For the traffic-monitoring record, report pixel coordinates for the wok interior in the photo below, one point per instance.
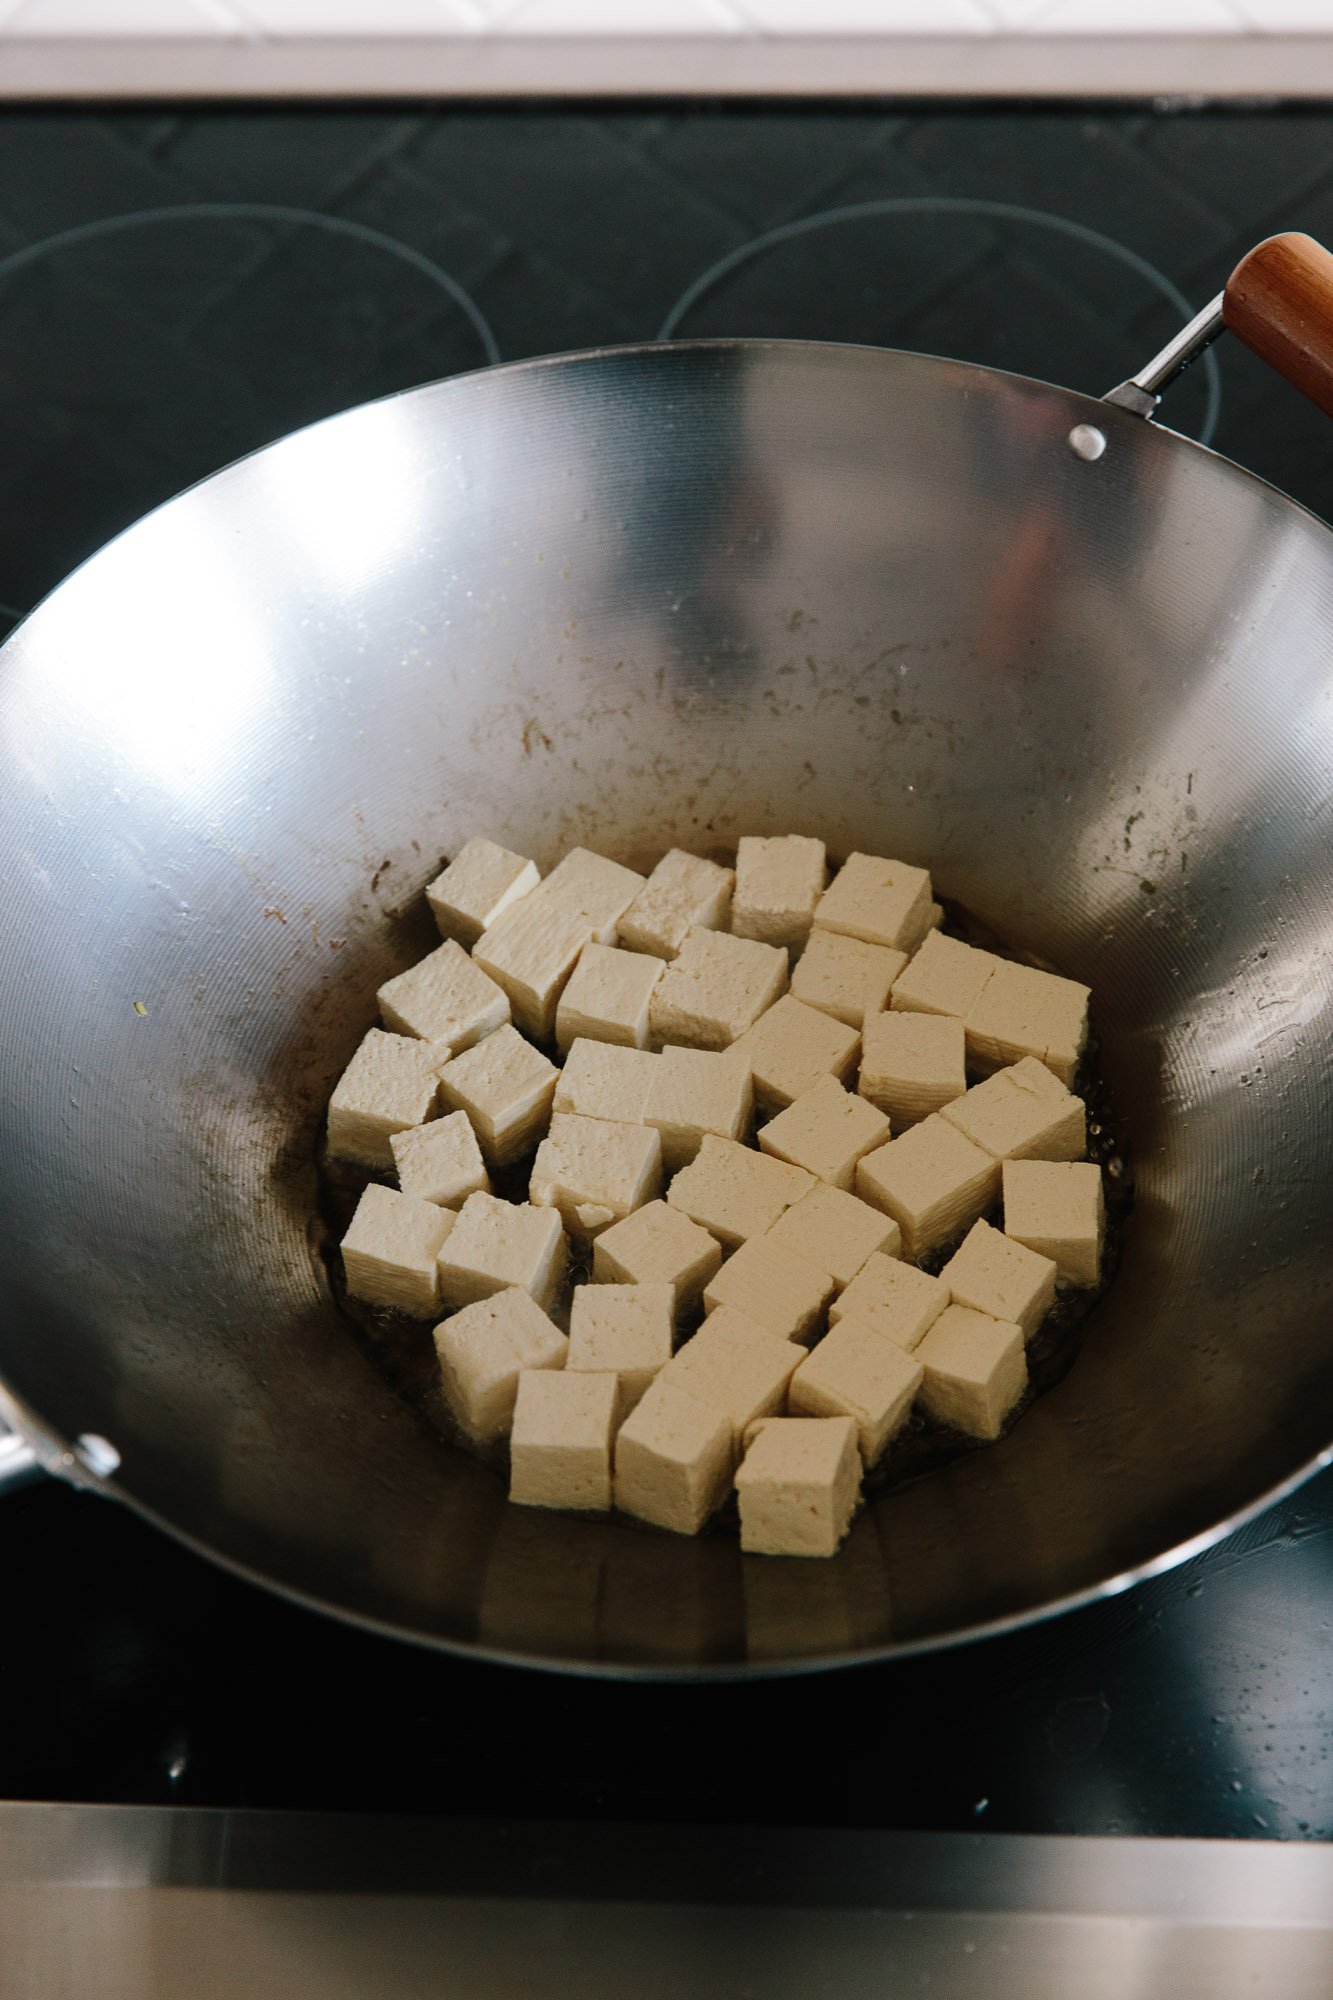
(634, 600)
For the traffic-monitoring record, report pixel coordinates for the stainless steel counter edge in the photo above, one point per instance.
(149, 1904)
(1184, 68)
(1203, 1882)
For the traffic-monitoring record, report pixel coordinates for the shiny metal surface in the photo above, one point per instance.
(142, 1904)
(18, 1462)
(1143, 392)
(632, 598)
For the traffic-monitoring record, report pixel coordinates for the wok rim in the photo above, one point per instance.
(1110, 413)
(56, 1456)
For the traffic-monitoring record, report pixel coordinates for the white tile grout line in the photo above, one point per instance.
(244, 23)
(731, 17)
(225, 15)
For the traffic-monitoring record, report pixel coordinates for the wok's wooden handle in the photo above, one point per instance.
(1279, 301)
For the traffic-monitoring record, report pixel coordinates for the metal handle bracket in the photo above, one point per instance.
(90, 1463)
(19, 1464)
(1143, 392)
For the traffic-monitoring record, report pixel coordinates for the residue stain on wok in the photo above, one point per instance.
(403, 1352)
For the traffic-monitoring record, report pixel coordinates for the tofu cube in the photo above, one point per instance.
(506, 1087)
(623, 1330)
(695, 1092)
(798, 1486)
(479, 885)
(1058, 1210)
(835, 1232)
(444, 998)
(657, 1245)
(390, 1250)
(993, 1274)
(734, 1193)
(771, 1285)
(440, 1162)
(391, 1084)
(945, 977)
(854, 1372)
(596, 888)
(912, 1064)
(560, 1444)
(607, 997)
(496, 1245)
(896, 1300)
(714, 989)
(975, 1371)
(595, 1172)
(778, 883)
(734, 1366)
(674, 1459)
(1023, 1012)
(531, 950)
(932, 1181)
(878, 901)
(602, 1080)
(791, 1046)
(482, 1352)
(825, 1130)
(845, 977)
(682, 892)
(1022, 1113)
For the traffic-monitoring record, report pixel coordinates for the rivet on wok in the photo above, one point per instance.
(1086, 441)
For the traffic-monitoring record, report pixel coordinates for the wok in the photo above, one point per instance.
(1080, 666)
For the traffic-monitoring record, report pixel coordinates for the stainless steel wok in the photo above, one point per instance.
(1080, 666)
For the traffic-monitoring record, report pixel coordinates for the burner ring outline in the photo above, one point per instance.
(944, 204)
(262, 211)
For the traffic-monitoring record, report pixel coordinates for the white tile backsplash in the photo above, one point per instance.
(1137, 17)
(354, 17)
(261, 20)
(1286, 17)
(870, 17)
(94, 18)
(607, 17)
